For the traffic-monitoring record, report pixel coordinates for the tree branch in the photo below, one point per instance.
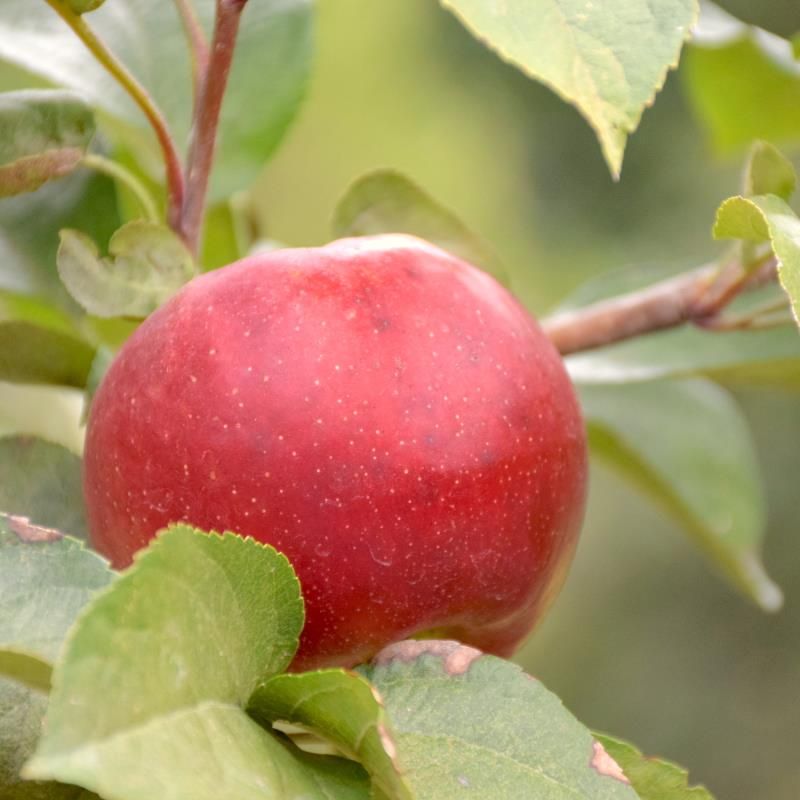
(697, 296)
(206, 117)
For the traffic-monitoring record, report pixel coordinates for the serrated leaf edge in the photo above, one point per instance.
(604, 135)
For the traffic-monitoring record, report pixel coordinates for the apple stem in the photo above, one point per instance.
(206, 117)
(198, 46)
(142, 98)
(696, 297)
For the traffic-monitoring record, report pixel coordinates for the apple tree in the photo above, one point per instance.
(318, 496)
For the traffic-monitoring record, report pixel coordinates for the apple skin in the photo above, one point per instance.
(386, 415)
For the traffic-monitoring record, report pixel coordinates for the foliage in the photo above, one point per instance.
(276, 41)
(386, 201)
(43, 135)
(147, 264)
(192, 662)
(707, 478)
(179, 663)
(743, 81)
(608, 59)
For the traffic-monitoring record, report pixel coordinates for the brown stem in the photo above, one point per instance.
(206, 117)
(198, 46)
(141, 97)
(695, 296)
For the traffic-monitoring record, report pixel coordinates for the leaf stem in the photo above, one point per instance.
(174, 172)
(198, 46)
(124, 176)
(206, 118)
(772, 314)
(697, 297)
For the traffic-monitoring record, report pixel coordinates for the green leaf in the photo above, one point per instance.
(743, 82)
(653, 778)
(386, 201)
(42, 481)
(30, 353)
(83, 6)
(608, 59)
(344, 709)
(180, 642)
(742, 218)
(768, 171)
(147, 35)
(21, 712)
(29, 226)
(769, 357)
(148, 263)
(473, 725)
(207, 752)
(37, 311)
(766, 218)
(40, 344)
(45, 580)
(687, 445)
(44, 134)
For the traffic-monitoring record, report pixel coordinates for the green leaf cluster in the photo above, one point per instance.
(51, 137)
(763, 216)
(147, 36)
(168, 681)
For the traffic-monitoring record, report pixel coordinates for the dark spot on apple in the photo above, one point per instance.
(487, 458)
(429, 490)
(381, 324)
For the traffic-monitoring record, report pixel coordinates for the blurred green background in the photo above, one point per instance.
(644, 642)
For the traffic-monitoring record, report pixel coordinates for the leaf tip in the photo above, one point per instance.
(766, 593)
(771, 598)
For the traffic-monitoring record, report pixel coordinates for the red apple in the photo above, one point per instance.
(383, 413)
